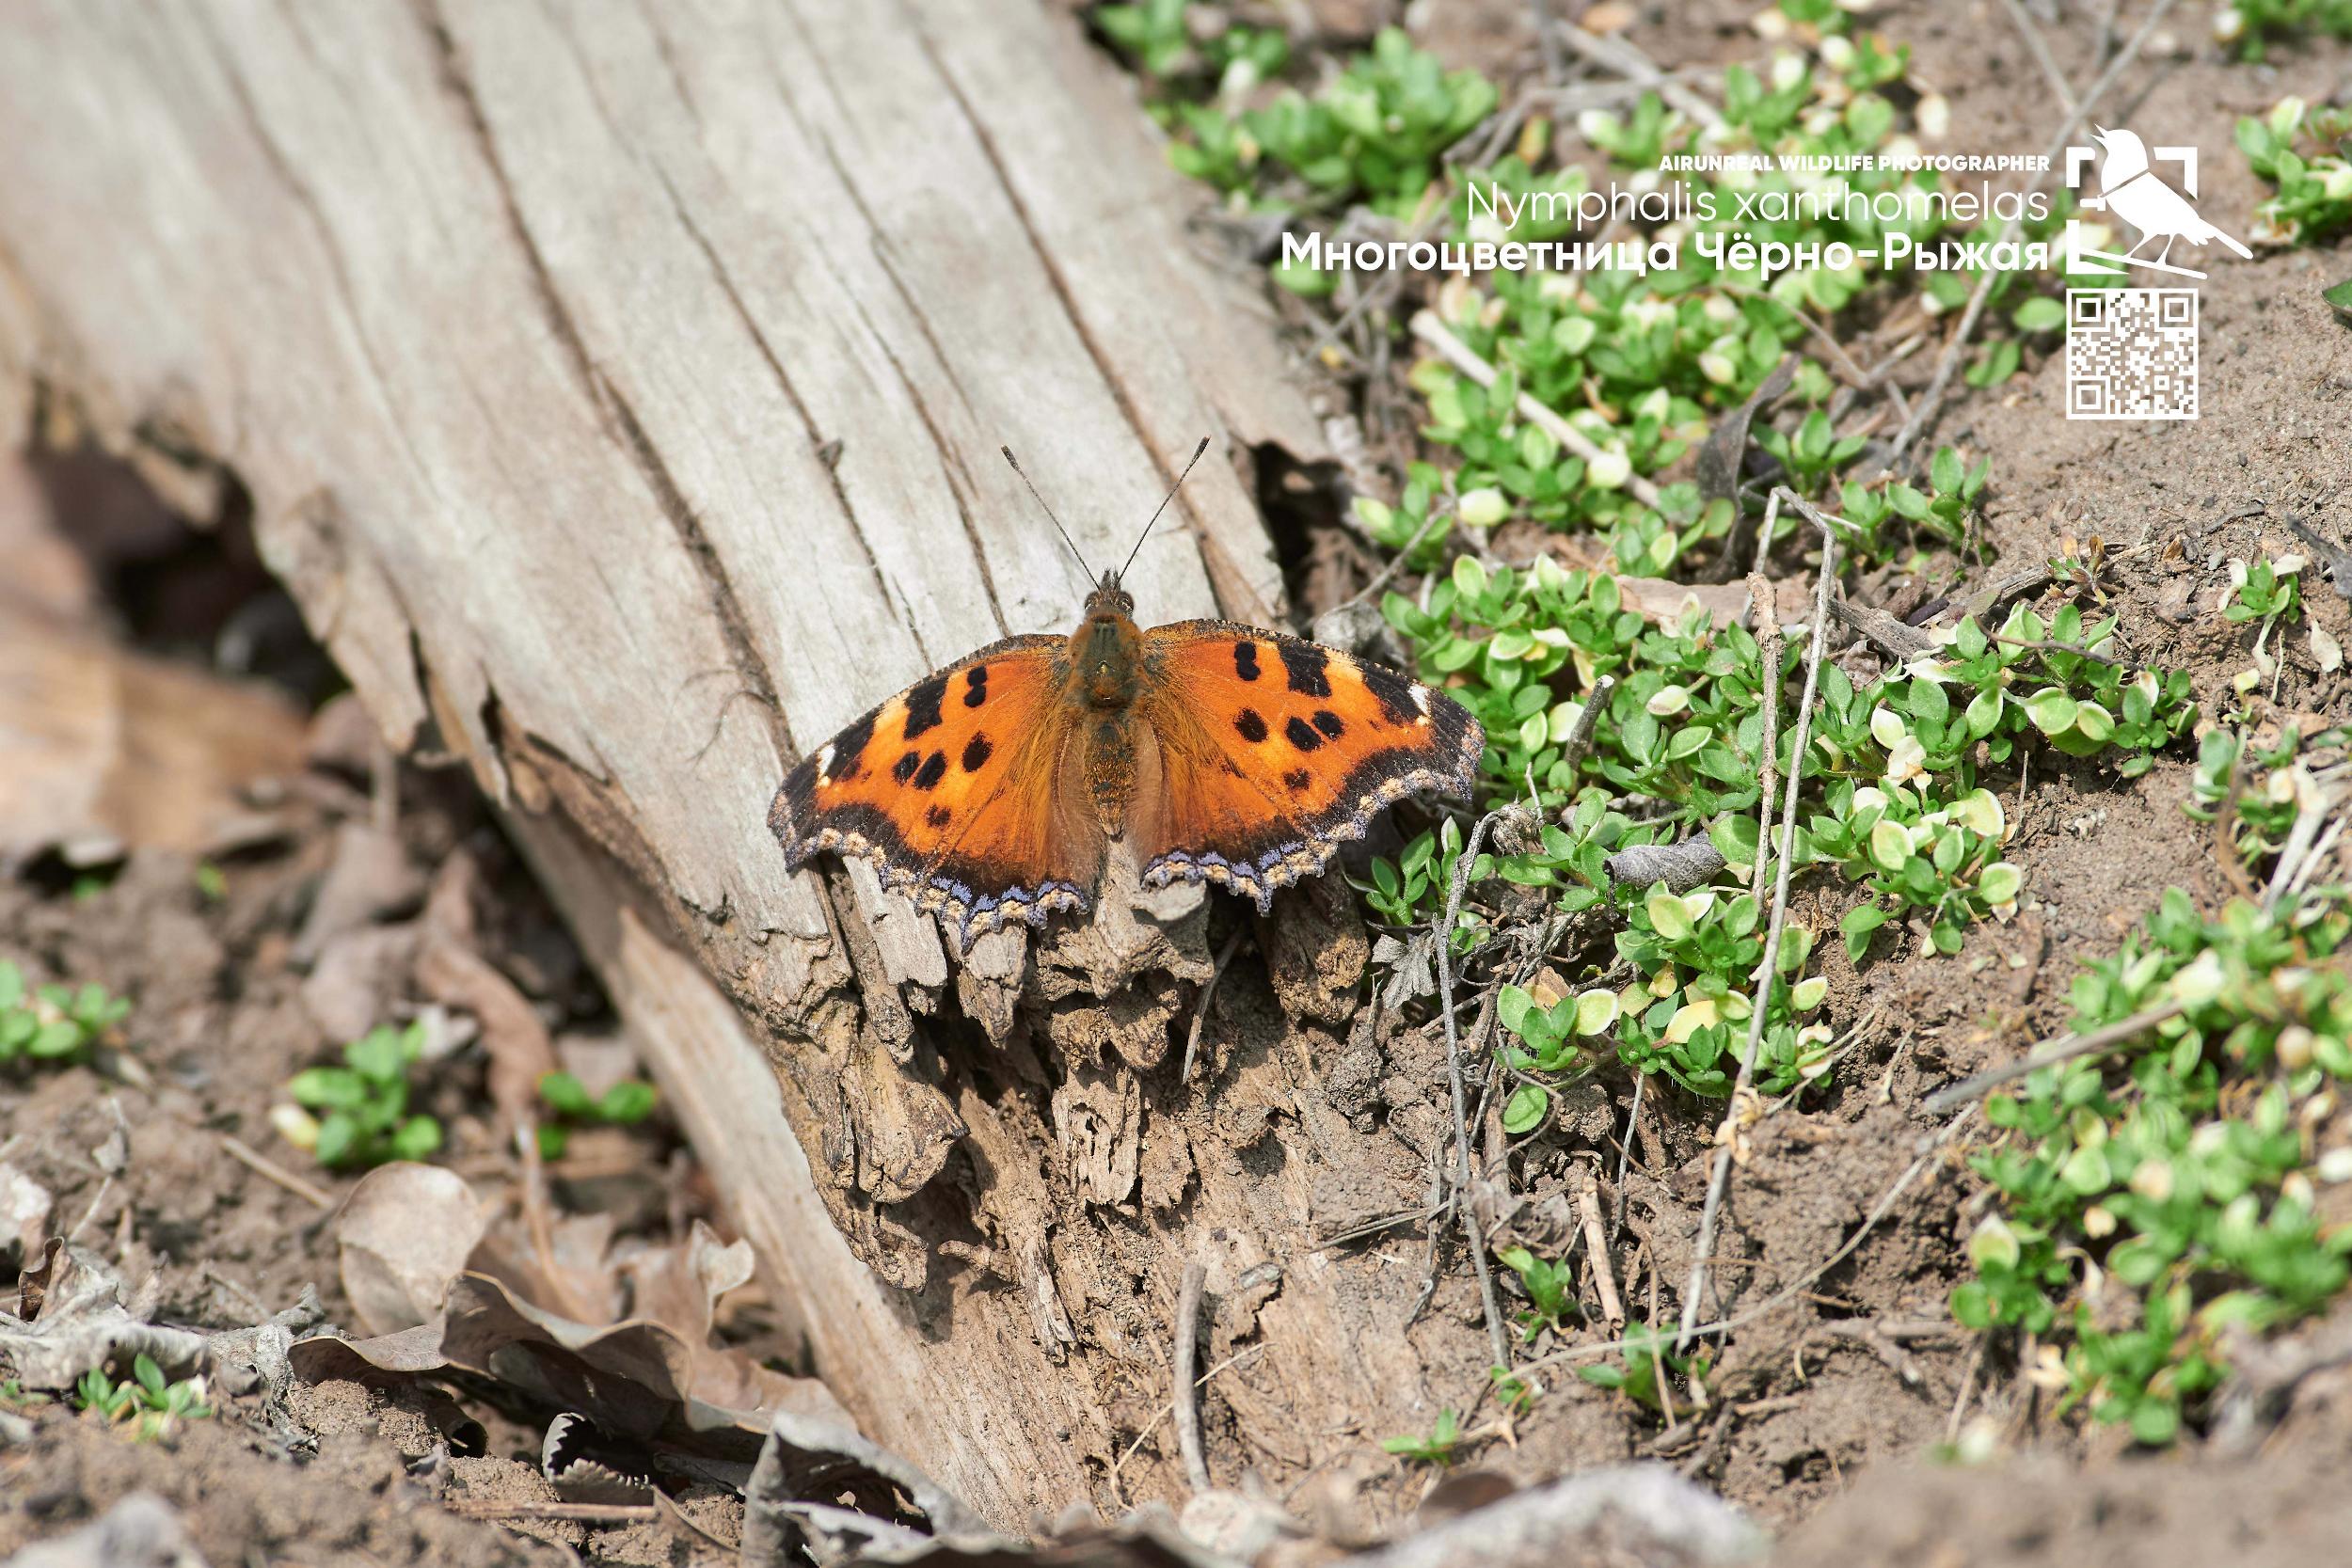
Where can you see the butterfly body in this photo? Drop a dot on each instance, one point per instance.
(996, 789)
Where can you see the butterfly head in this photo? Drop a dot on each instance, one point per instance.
(1109, 599)
(1106, 649)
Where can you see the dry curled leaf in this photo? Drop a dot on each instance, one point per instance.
(635, 1377)
(404, 1233)
(105, 750)
(71, 1316)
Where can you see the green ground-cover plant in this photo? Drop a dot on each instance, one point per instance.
(567, 1100)
(1897, 780)
(147, 1400)
(1515, 645)
(2153, 1200)
(2263, 590)
(2300, 151)
(2273, 786)
(1648, 1351)
(1550, 1304)
(1372, 136)
(53, 1023)
(1435, 1446)
(1945, 509)
(1154, 34)
(363, 1117)
(2251, 26)
(1902, 779)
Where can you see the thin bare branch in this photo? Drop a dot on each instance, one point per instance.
(2064, 1048)
(1498, 1337)
(1768, 967)
(1186, 1400)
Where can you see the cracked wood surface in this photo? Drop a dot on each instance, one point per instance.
(618, 390)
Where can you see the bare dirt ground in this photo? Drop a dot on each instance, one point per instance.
(1822, 1429)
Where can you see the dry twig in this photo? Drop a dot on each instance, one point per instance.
(1500, 1341)
(1201, 1009)
(263, 1165)
(2039, 48)
(1596, 1246)
(1768, 968)
(1186, 1399)
(1768, 639)
(1879, 1211)
(2064, 1048)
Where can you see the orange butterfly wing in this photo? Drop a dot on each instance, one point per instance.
(953, 791)
(1275, 751)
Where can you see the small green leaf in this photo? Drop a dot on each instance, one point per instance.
(1859, 923)
(58, 1038)
(339, 1138)
(1890, 846)
(1668, 916)
(2039, 314)
(629, 1100)
(2339, 297)
(417, 1139)
(566, 1095)
(2052, 711)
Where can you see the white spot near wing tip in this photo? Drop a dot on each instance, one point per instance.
(824, 764)
(1421, 701)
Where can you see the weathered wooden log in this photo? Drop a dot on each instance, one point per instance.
(618, 391)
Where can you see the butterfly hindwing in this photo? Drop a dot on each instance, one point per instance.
(949, 790)
(1274, 750)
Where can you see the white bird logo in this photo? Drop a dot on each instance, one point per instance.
(2130, 189)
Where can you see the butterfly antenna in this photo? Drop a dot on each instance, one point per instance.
(1161, 507)
(1049, 512)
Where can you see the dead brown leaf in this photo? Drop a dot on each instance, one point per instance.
(102, 750)
(404, 1233)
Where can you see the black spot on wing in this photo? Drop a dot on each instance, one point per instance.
(923, 706)
(1304, 663)
(933, 769)
(1392, 692)
(976, 686)
(976, 754)
(1329, 722)
(1253, 728)
(939, 817)
(1302, 734)
(905, 768)
(1298, 779)
(1246, 659)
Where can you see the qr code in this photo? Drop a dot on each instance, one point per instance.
(2131, 353)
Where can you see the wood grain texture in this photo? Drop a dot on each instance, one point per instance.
(618, 390)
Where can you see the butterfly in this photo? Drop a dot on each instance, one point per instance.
(994, 790)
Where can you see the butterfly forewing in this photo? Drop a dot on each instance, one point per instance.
(948, 789)
(1274, 750)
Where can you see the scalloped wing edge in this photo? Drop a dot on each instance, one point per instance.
(1286, 865)
(967, 914)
